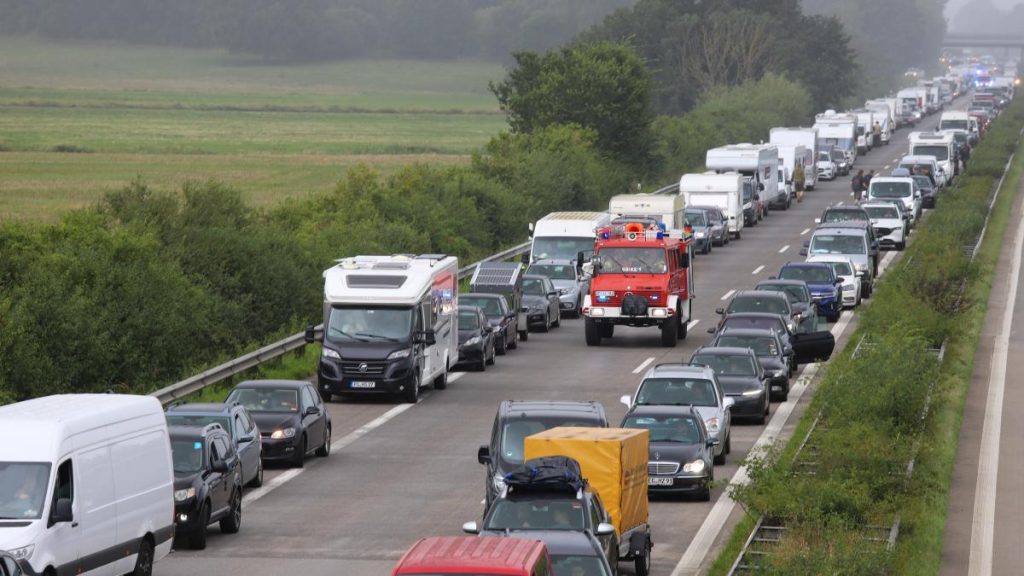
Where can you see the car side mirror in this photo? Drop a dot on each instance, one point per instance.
(471, 528)
(712, 330)
(427, 337)
(525, 259)
(720, 311)
(803, 251)
(604, 529)
(555, 293)
(626, 401)
(312, 411)
(9, 566)
(245, 439)
(62, 512)
(220, 466)
(817, 220)
(310, 334)
(838, 282)
(483, 455)
(712, 442)
(729, 402)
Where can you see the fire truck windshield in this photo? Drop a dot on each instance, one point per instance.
(632, 261)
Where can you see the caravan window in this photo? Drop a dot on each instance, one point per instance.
(369, 324)
(23, 489)
(560, 248)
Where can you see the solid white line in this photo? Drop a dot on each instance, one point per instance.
(728, 295)
(643, 365)
(784, 248)
(701, 544)
(886, 261)
(692, 324)
(758, 270)
(806, 230)
(983, 526)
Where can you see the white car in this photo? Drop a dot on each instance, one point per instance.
(844, 269)
(889, 223)
(826, 167)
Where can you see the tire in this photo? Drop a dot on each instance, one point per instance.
(524, 335)
(490, 360)
(482, 365)
(763, 417)
(670, 333)
(705, 496)
(558, 320)
(592, 332)
(412, 394)
(682, 329)
(607, 330)
(441, 382)
(738, 234)
(720, 458)
(325, 449)
(833, 318)
(144, 559)
(258, 480)
(232, 523)
(865, 290)
(503, 349)
(515, 340)
(728, 443)
(547, 324)
(300, 456)
(642, 563)
(197, 539)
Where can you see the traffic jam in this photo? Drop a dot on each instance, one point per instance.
(566, 490)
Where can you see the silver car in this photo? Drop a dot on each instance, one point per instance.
(889, 224)
(685, 385)
(566, 278)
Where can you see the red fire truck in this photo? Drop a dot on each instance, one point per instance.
(641, 277)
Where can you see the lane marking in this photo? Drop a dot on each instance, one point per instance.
(806, 230)
(886, 261)
(728, 295)
(757, 270)
(886, 167)
(983, 525)
(692, 323)
(643, 365)
(699, 547)
(784, 248)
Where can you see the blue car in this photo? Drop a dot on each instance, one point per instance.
(825, 286)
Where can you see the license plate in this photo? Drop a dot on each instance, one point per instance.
(651, 481)
(363, 384)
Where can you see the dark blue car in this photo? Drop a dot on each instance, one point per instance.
(825, 286)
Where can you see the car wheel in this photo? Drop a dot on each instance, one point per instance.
(558, 320)
(705, 495)
(547, 323)
(258, 480)
(232, 523)
(763, 416)
(670, 332)
(441, 382)
(720, 458)
(503, 348)
(144, 559)
(325, 449)
(738, 234)
(728, 443)
(642, 563)
(834, 317)
(300, 456)
(490, 359)
(524, 335)
(901, 246)
(592, 331)
(515, 340)
(197, 539)
(784, 396)
(481, 366)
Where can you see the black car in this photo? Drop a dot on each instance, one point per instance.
(761, 301)
(807, 348)
(575, 553)
(800, 300)
(499, 316)
(541, 303)
(476, 338)
(775, 357)
(245, 435)
(680, 452)
(741, 377)
(928, 191)
(207, 482)
(517, 419)
(292, 419)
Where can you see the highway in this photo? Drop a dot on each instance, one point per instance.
(400, 472)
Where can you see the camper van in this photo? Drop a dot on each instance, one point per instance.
(865, 124)
(840, 131)
(724, 191)
(389, 325)
(912, 102)
(884, 117)
(563, 235)
(806, 137)
(789, 156)
(760, 162)
(87, 483)
(669, 209)
(938, 144)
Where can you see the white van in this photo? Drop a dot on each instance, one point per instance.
(940, 145)
(86, 483)
(669, 209)
(724, 191)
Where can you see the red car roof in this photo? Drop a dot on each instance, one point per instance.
(471, 555)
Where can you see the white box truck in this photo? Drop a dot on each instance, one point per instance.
(759, 162)
(669, 209)
(839, 131)
(806, 137)
(390, 325)
(86, 483)
(563, 235)
(724, 191)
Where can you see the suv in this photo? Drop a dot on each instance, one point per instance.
(680, 450)
(776, 358)
(517, 419)
(825, 286)
(245, 435)
(761, 301)
(567, 279)
(888, 222)
(685, 385)
(207, 482)
(742, 379)
(501, 318)
(853, 240)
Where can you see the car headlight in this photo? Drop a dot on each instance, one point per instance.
(283, 433)
(328, 353)
(23, 553)
(499, 483)
(849, 287)
(183, 495)
(400, 354)
(791, 326)
(473, 341)
(778, 373)
(752, 393)
(699, 234)
(695, 467)
(713, 425)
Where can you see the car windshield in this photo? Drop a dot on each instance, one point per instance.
(795, 292)
(200, 420)
(726, 364)
(824, 157)
(187, 456)
(469, 320)
(843, 216)
(632, 261)
(841, 268)
(514, 433)
(492, 307)
(838, 244)
(543, 514)
(369, 324)
(838, 156)
(940, 152)
(675, 429)
(880, 212)
(266, 399)
(23, 489)
(559, 248)
(695, 218)
(758, 304)
(553, 271)
(922, 181)
(806, 273)
(534, 286)
(761, 345)
(953, 125)
(768, 322)
(565, 565)
(677, 392)
(890, 190)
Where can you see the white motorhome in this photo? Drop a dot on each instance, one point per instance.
(806, 137)
(838, 130)
(760, 162)
(932, 100)
(884, 116)
(865, 125)
(891, 108)
(789, 156)
(938, 144)
(563, 235)
(389, 325)
(724, 191)
(912, 101)
(86, 483)
(669, 209)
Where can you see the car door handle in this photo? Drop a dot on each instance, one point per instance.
(74, 524)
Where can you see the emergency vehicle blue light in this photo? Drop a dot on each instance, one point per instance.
(604, 235)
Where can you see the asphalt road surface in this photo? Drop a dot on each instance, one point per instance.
(401, 472)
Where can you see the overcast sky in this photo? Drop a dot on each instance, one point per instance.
(955, 5)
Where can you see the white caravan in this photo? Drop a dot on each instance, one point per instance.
(724, 191)
(865, 125)
(806, 137)
(884, 116)
(389, 325)
(788, 158)
(840, 131)
(563, 235)
(938, 144)
(912, 101)
(760, 162)
(669, 209)
(86, 483)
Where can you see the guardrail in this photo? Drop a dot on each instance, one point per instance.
(278, 349)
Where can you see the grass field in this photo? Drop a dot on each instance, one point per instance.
(77, 120)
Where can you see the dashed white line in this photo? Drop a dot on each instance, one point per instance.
(757, 270)
(886, 167)
(692, 324)
(728, 295)
(806, 230)
(783, 249)
(643, 365)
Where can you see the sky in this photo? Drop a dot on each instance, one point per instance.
(954, 5)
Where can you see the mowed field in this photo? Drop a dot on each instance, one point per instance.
(77, 120)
